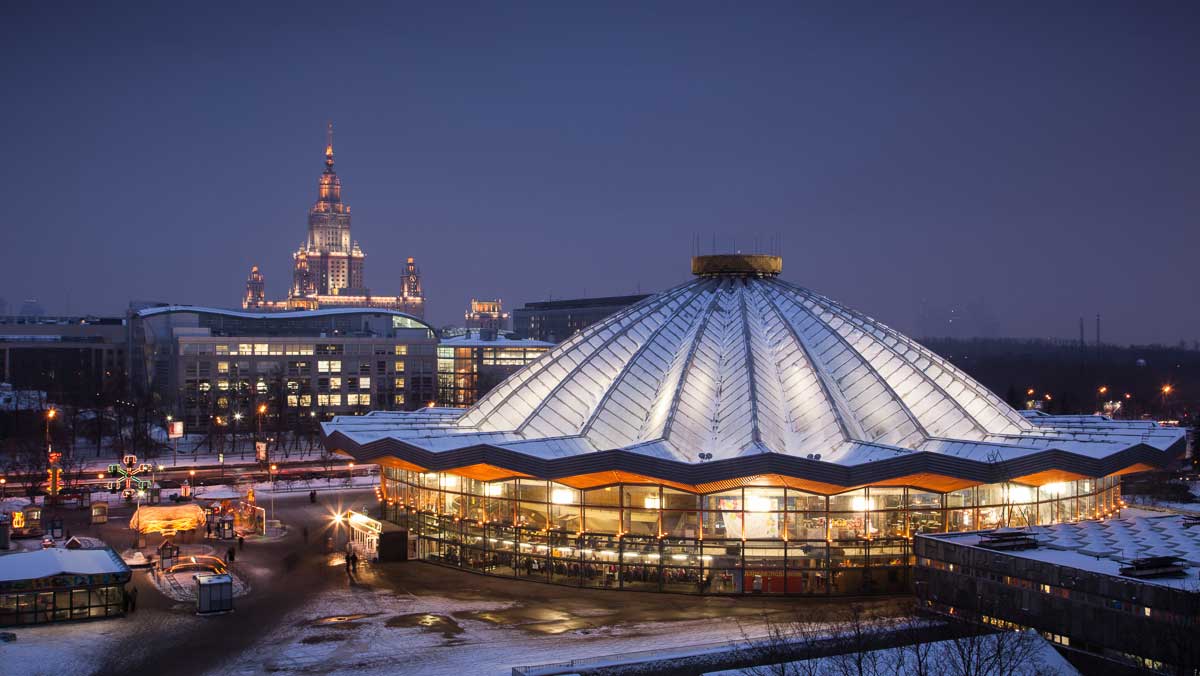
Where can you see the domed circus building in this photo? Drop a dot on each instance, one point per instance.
(735, 434)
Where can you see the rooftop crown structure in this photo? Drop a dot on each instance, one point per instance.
(738, 379)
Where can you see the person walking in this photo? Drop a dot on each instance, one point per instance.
(133, 594)
(208, 529)
(312, 497)
(354, 562)
(241, 542)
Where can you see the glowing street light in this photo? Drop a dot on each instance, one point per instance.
(237, 416)
(1103, 390)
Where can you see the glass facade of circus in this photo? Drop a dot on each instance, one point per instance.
(746, 540)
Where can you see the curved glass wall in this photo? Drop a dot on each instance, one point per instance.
(746, 540)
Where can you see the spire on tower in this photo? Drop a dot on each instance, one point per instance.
(329, 147)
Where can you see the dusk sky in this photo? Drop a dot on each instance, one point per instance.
(1024, 164)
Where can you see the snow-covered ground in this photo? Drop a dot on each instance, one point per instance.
(364, 633)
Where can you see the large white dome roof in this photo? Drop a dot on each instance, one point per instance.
(738, 364)
(738, 373)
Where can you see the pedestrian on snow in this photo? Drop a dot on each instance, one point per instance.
(241, 542)
(312, 497)
(229, 555)
(353, 562)
(133, 593)
(208, 529)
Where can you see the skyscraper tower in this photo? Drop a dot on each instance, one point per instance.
(256, 293)
(329, 263)
(327, 269)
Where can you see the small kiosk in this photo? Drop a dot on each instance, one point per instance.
(214, 593)
(168, 554)
(99, 512)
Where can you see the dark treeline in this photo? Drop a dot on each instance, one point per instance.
(1072, 375)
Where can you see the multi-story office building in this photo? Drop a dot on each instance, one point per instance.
(327, 270)
(557, 320)
(1111, 592)
(210, 364)
(74, 360)
(487, 315)
(469, 366)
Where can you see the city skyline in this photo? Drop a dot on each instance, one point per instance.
(991, 160)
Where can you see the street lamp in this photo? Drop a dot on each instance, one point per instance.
(3, 488)
(272, 477)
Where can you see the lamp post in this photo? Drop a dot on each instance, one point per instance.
(1166, 392)
(3, 488)
(174, 442)
(271, 474)
(237, 417)
(261, 411)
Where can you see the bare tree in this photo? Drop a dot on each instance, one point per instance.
(26, 464)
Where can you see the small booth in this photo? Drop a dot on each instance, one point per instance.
(56, 528)
(99, 512)
(364, 533)
(214, 593)
(224, 529)
(168, 554)
(27, 521)
(250, 518)
(57, 585)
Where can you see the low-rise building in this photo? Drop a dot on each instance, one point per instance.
(59, 585)
(470, 365)
(74, 360)
(556, 320)
(486, 315)
(216, 365)
(1122, 589)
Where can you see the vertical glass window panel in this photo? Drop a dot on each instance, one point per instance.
(851, 501)
(532, 515)
(806, 571)
(763, 499)
(642, 522)
(961, 498)
(607, 497)
(991, 494)
(724, 501)
(886, 497)
(681, 524)
(532, 490)
(679, 500)
(799, 501)
(764, 568)
(641, 497)
(721, 525)
(807, 526)
(566, 517)
(602, 520)
(722, 562)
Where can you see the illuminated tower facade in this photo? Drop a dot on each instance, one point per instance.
(256, 292)
(327, 269)
(329, 263)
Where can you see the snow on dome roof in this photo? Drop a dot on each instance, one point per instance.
(737, 363)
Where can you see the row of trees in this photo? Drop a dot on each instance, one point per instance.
(859, 643)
